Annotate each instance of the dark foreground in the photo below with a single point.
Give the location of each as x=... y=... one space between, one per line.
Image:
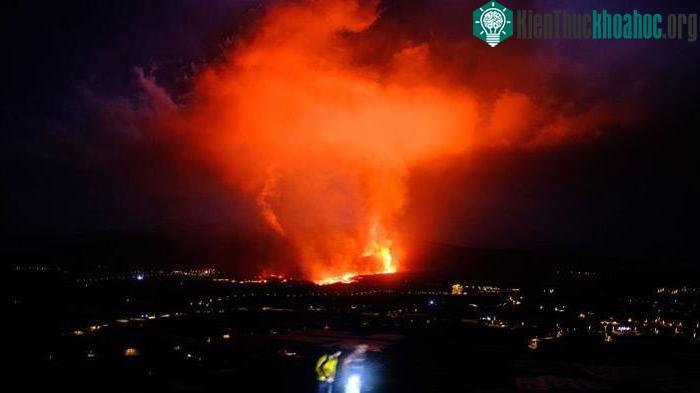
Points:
x=195 y=333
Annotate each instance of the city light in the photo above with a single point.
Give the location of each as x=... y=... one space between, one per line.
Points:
x=131 y=352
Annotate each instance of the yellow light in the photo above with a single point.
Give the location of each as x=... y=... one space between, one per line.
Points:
x=345 y=279
x=387 y=259
x=130 y=352
x=383 y=253
x=380 y=248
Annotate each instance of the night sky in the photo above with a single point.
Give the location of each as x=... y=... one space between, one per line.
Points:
x=76 y=161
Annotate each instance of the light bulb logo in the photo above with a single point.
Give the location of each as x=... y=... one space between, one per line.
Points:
x=493 y=23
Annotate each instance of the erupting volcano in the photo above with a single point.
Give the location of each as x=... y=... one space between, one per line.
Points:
x=324 y=140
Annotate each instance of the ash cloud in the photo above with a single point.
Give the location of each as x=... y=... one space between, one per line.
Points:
x=324 y=137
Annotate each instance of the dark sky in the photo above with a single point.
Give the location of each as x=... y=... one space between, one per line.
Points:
x=70 y=167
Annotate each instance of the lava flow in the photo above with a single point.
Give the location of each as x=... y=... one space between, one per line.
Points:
x=383 y=263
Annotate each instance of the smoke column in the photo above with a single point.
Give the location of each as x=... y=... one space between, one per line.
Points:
x=323 y=144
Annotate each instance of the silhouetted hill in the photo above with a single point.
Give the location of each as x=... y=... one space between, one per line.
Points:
x=245 y=254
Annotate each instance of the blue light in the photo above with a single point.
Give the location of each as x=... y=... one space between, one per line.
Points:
x=353 y=384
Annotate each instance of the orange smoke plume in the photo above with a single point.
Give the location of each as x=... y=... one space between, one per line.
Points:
x=324 y=144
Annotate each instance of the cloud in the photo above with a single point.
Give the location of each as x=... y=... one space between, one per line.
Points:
x=325 y=142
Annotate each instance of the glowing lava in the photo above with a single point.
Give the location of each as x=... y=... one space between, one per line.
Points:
x=377 y=259
x=383 y=254
x=345 y=279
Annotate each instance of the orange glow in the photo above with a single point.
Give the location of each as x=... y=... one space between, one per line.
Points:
x=344 y=279
x=324 y=144
x=379 y=252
